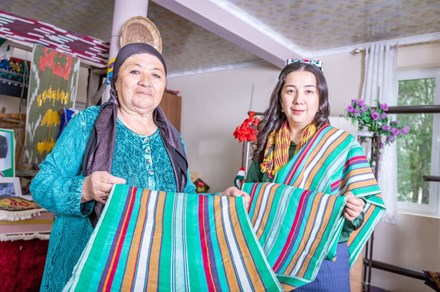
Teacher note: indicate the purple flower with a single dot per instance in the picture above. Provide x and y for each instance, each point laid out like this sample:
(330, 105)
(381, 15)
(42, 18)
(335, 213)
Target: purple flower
(384, 106)
(395, 131)
(382, 145)
(364, 108)
(350, 109)
(386, 127)
(405, 130)
(391, 138)
(361, 102)
(354, 101)
(374, 115)
(383, 116)
(357, 113)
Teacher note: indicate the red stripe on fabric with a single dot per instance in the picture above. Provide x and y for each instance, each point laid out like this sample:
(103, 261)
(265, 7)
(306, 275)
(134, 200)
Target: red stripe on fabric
(335, 184)
(304, 153)
(204, 245)
(116, 255)
(292, 231)
(252, 195)
(355, 159)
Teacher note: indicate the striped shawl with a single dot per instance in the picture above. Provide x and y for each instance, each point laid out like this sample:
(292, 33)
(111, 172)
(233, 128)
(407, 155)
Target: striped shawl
(158, 241)
(331, 162)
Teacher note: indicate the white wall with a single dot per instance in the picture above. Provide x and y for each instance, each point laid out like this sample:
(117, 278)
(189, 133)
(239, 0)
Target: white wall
(213, 105)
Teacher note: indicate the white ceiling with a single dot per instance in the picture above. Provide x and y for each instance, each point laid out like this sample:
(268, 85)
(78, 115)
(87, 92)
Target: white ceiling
(204, 35)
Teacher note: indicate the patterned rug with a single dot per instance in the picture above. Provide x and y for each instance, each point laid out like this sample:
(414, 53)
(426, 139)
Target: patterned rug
(14, 208)
(22, 219)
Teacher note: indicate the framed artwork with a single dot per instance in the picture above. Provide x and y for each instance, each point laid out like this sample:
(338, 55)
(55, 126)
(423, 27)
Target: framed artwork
(7, 153)
(10, 186)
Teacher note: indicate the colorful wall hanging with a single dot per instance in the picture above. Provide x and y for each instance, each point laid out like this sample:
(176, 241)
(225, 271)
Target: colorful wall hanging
(21, 29)
(52, 87)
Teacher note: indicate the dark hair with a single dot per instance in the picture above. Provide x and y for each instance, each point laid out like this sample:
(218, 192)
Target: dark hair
(273, 117)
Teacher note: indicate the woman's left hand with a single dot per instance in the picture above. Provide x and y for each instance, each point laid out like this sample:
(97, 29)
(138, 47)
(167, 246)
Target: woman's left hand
(235, 192)
(354, 206)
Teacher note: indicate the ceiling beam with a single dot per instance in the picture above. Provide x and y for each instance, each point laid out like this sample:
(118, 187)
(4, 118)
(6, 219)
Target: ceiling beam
(225, 24)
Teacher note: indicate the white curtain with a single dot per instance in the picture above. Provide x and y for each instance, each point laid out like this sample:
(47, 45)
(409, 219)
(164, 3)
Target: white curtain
(380, 83)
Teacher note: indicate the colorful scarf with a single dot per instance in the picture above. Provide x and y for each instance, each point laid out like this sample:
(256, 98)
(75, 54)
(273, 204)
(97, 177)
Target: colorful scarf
(276, 153)
(333, 162)
(151, 240)
(296, 228)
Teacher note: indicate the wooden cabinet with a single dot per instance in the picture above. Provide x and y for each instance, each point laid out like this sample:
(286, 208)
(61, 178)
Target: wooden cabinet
(171, 105)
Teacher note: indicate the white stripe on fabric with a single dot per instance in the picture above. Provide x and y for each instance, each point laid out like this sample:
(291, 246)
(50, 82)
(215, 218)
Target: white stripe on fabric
(263, 207)
(178, 280)
(144, 251)
(359, 178)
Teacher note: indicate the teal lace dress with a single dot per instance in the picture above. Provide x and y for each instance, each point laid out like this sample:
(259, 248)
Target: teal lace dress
(141, 160)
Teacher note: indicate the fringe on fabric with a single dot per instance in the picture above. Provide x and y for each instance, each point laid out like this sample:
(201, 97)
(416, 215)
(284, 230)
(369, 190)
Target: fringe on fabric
(19, 215)
(24, 236)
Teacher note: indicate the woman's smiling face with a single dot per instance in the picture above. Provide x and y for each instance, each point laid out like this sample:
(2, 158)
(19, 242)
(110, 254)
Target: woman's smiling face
(140, 84)
(300, 99)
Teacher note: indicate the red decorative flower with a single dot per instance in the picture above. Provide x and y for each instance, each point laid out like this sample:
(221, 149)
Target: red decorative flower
(247, 131)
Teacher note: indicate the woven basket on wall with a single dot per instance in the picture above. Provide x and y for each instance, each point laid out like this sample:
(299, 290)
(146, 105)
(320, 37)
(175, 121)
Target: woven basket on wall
(140, 29)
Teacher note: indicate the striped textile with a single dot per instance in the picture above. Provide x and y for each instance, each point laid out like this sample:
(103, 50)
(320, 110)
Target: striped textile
(334, 163)
(296, 228)
(158, 241)
(150, 240)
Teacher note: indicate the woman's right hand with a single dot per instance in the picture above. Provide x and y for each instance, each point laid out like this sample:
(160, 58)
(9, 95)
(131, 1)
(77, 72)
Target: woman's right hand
(98, 185)
(235, 192)
(354, 207)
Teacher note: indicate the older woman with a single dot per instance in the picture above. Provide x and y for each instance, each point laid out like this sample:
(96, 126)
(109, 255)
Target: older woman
(126, 140)
(297, 146)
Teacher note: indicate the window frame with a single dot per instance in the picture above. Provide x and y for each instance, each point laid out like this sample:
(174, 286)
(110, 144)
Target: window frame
(433, 208)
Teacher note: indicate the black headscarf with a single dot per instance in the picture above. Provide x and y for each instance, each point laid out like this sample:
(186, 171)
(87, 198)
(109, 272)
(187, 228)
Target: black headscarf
(101, 144)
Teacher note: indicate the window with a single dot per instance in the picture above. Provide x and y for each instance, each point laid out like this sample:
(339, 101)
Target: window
(418, 153)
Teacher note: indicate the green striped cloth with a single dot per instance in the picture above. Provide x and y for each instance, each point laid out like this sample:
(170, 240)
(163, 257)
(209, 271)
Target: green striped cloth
(158, 241)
